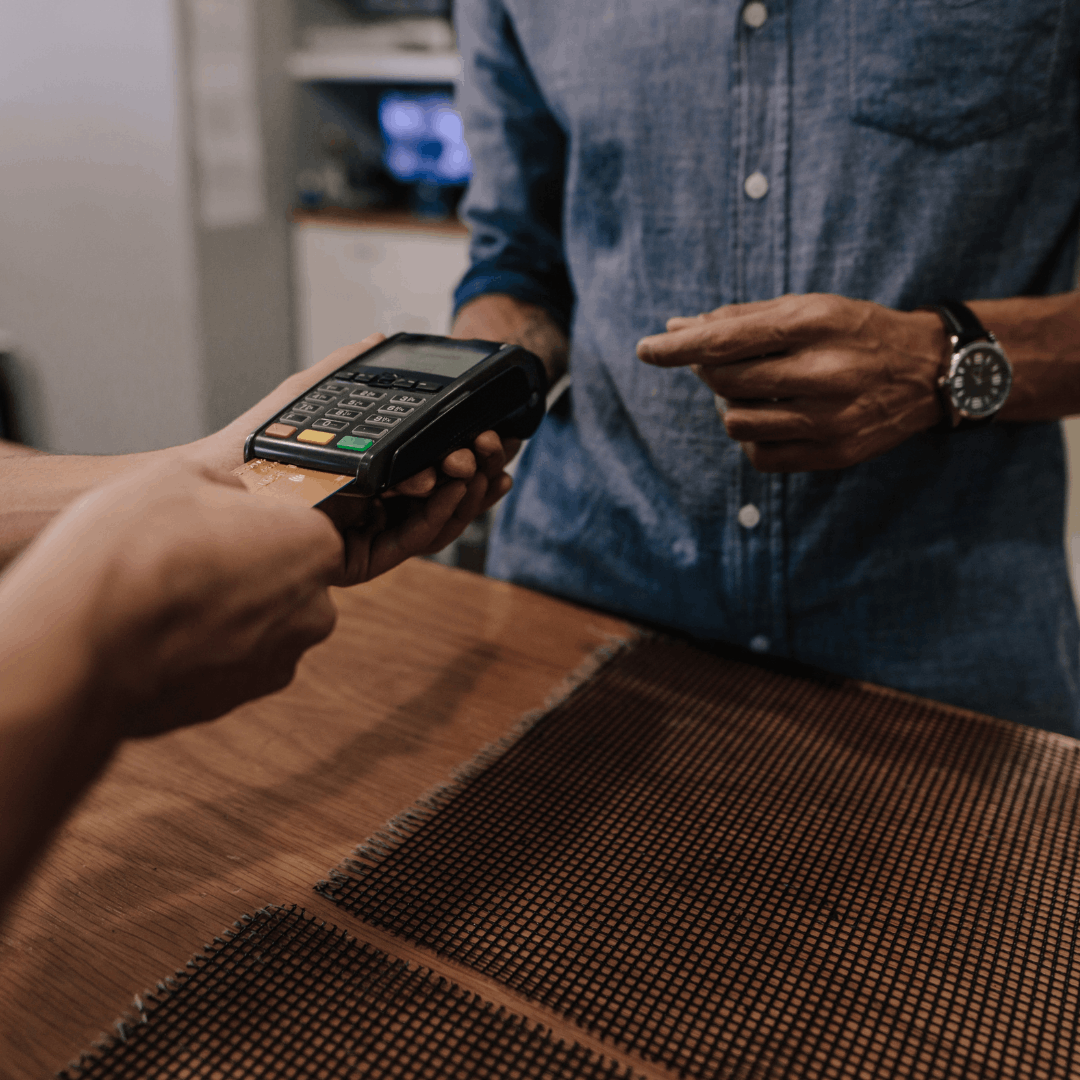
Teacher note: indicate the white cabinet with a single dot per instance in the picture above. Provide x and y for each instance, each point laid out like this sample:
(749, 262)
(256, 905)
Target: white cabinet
(354, 278)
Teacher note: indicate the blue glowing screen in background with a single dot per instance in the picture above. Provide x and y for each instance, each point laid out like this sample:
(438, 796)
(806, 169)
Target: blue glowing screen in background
(424, 138)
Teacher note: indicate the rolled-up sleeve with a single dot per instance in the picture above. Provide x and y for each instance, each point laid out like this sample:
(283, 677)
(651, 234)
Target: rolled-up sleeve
(514, 203)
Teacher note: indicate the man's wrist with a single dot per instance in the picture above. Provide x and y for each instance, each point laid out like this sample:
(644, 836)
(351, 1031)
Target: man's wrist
(930, 348)
(1041, 337)
(503, 318)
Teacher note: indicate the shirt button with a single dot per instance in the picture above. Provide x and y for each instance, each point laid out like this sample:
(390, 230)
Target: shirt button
(754, 14)
(756, 186)
(760, 643)
(749, 516)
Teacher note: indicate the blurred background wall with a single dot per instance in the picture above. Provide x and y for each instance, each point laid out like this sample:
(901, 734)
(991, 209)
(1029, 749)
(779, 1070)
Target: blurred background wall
(134, 318)
(96, 282)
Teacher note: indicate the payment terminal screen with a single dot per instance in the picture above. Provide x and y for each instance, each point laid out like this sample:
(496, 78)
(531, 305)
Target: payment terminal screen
(443, 360)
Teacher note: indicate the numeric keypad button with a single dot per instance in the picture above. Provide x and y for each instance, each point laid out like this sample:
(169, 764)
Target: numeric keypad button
(406, 399)
(395, 410)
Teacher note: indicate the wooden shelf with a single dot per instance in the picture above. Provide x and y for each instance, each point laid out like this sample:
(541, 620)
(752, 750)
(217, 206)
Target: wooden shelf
(397, 220)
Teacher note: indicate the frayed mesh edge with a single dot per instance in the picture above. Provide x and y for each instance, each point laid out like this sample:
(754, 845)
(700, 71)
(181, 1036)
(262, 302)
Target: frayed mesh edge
(377, 848)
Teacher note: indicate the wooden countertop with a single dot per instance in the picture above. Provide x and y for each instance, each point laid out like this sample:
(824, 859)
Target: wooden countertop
(186, 832)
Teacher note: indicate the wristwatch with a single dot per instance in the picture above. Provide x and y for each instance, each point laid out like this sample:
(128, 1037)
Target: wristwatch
(977, 375)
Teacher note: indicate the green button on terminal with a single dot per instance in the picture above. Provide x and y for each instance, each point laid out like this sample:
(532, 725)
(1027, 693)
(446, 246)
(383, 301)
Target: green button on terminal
(350, 442)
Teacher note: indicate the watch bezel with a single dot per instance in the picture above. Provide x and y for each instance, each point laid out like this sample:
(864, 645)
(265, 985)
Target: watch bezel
(957, 357)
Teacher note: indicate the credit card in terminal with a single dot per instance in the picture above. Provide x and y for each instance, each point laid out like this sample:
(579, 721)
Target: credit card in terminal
(291, 484)
(394, 410)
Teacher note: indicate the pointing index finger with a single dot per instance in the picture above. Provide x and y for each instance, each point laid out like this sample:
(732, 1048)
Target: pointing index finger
(722, 341)
(743, 331)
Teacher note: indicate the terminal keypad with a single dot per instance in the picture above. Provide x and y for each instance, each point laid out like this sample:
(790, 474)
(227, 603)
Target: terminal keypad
(359, 399)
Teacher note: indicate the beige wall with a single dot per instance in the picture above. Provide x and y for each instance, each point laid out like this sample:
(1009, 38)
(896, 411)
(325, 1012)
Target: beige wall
(96, 268)
(134, 323)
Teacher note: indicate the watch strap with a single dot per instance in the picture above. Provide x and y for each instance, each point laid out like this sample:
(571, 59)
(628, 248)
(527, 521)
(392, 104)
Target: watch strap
(961, 322)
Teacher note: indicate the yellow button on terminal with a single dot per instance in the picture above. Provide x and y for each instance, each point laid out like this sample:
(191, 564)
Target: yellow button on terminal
(319, 437)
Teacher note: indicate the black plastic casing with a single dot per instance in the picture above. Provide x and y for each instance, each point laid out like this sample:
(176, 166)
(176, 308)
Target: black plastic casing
(504, 391)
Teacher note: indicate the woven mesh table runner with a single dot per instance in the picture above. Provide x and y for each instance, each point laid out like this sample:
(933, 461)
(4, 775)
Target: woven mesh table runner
(286, 996)
(739, 873)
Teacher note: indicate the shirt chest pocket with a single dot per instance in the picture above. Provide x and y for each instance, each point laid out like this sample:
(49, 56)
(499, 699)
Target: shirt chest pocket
(950, 72)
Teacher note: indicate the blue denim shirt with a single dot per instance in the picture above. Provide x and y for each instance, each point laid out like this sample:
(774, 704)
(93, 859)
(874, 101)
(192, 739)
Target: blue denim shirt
(912, 149)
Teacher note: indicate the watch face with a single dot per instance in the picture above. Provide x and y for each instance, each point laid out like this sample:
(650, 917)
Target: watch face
(980, 380)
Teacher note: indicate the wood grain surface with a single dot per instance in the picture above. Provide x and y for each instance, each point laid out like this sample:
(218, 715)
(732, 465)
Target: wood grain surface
(186, 832)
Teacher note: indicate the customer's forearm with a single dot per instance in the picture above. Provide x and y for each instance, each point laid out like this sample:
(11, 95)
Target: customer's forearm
(497, 317)
(36, 486)
(56, 729)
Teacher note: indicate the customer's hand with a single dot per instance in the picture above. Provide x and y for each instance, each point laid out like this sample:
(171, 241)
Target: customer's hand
(811, 382)
(167, 597)
(163, 598)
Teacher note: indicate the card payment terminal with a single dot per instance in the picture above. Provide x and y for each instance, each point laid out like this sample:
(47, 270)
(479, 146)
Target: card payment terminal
(396, 409)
